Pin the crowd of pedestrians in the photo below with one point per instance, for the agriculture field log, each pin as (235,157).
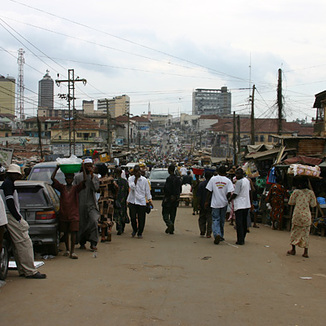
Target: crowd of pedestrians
(95,199)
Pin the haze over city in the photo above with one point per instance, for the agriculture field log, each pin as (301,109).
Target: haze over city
(159,52)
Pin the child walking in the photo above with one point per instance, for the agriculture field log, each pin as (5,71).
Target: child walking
(69,209)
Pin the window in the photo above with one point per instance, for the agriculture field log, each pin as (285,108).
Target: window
(262,138)
(270,138)
(79,135)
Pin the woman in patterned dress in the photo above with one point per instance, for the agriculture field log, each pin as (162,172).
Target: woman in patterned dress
(275,197)
(302,199)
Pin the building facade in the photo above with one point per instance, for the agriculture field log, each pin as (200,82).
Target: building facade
(7,95)
(46,93)
(211,101)
(117,106)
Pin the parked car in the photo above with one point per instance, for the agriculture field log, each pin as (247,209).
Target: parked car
(39,206)
(43,171)
(157,178)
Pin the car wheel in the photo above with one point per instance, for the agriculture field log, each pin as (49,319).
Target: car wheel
(54,248)
(4,260)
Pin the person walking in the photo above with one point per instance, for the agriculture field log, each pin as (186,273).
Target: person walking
(194,189)
(302,198)
(139,192)
(242,203)
(205,214)
(88,207)
(276,197)
(170,203)
(69,209)
(120,206)
(18,227)
(220,188)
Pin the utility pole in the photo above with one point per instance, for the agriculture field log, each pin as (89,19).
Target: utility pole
(108,121)
(238,138)
(252,117)
(71,96)
(279,102)
(39,136)
(235,161)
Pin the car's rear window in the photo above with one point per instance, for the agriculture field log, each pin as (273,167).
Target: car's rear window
(45,173)
(32,197)
(159,174)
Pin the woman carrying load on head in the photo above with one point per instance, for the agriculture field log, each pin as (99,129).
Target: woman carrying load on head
(302,198)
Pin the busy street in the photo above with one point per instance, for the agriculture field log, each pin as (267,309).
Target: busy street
(179,279)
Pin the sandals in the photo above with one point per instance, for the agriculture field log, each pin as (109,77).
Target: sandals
(73,256)
(67,253)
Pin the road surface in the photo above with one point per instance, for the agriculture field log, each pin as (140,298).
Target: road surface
(178,279)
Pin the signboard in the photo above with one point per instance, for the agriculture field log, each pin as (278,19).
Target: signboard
(6,155)
(63,149)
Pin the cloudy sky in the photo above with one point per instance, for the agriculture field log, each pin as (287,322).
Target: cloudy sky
(159,51)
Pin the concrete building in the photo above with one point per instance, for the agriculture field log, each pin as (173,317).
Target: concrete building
(211,101)
(46,94)
(117,106)
(7,95)
(88,107)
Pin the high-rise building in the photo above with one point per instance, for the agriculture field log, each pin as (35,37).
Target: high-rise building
(45,94)
(117,106)
(211,101)
(7,95)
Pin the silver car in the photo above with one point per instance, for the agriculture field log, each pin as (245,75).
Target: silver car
(39,206)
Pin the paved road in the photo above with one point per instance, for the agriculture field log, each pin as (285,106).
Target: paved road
(178,279)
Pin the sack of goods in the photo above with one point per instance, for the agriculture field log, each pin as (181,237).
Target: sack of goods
(304,170)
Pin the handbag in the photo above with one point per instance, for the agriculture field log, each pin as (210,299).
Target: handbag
(127,219)
(148,208)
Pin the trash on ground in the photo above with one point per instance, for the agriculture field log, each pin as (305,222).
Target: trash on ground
(306,277)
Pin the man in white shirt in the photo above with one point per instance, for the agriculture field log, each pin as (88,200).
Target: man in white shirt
(220,188)
(242,203)
(139,192)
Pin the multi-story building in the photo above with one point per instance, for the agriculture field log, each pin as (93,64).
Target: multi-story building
(45,95)
(88,107)
(211,101)
(35,126)
(7,95)
(117,106)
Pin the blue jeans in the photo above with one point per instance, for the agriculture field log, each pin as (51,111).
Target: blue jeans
(218,216)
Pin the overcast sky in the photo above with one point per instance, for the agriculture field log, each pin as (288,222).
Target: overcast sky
(159,51)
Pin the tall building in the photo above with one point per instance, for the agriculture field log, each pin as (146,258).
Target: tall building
(45,94)
(7,95)
(117,106)
(211,101)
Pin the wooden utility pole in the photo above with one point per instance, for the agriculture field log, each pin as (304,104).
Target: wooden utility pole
(238,138)
(235,161)
(252,140)
(40,136)
(108,122)
(279,102)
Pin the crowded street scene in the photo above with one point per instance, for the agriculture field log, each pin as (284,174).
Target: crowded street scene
(152,173)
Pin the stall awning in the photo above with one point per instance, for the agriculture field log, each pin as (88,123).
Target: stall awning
(303,160)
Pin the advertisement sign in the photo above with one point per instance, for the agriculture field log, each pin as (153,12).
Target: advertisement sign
(6,155)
